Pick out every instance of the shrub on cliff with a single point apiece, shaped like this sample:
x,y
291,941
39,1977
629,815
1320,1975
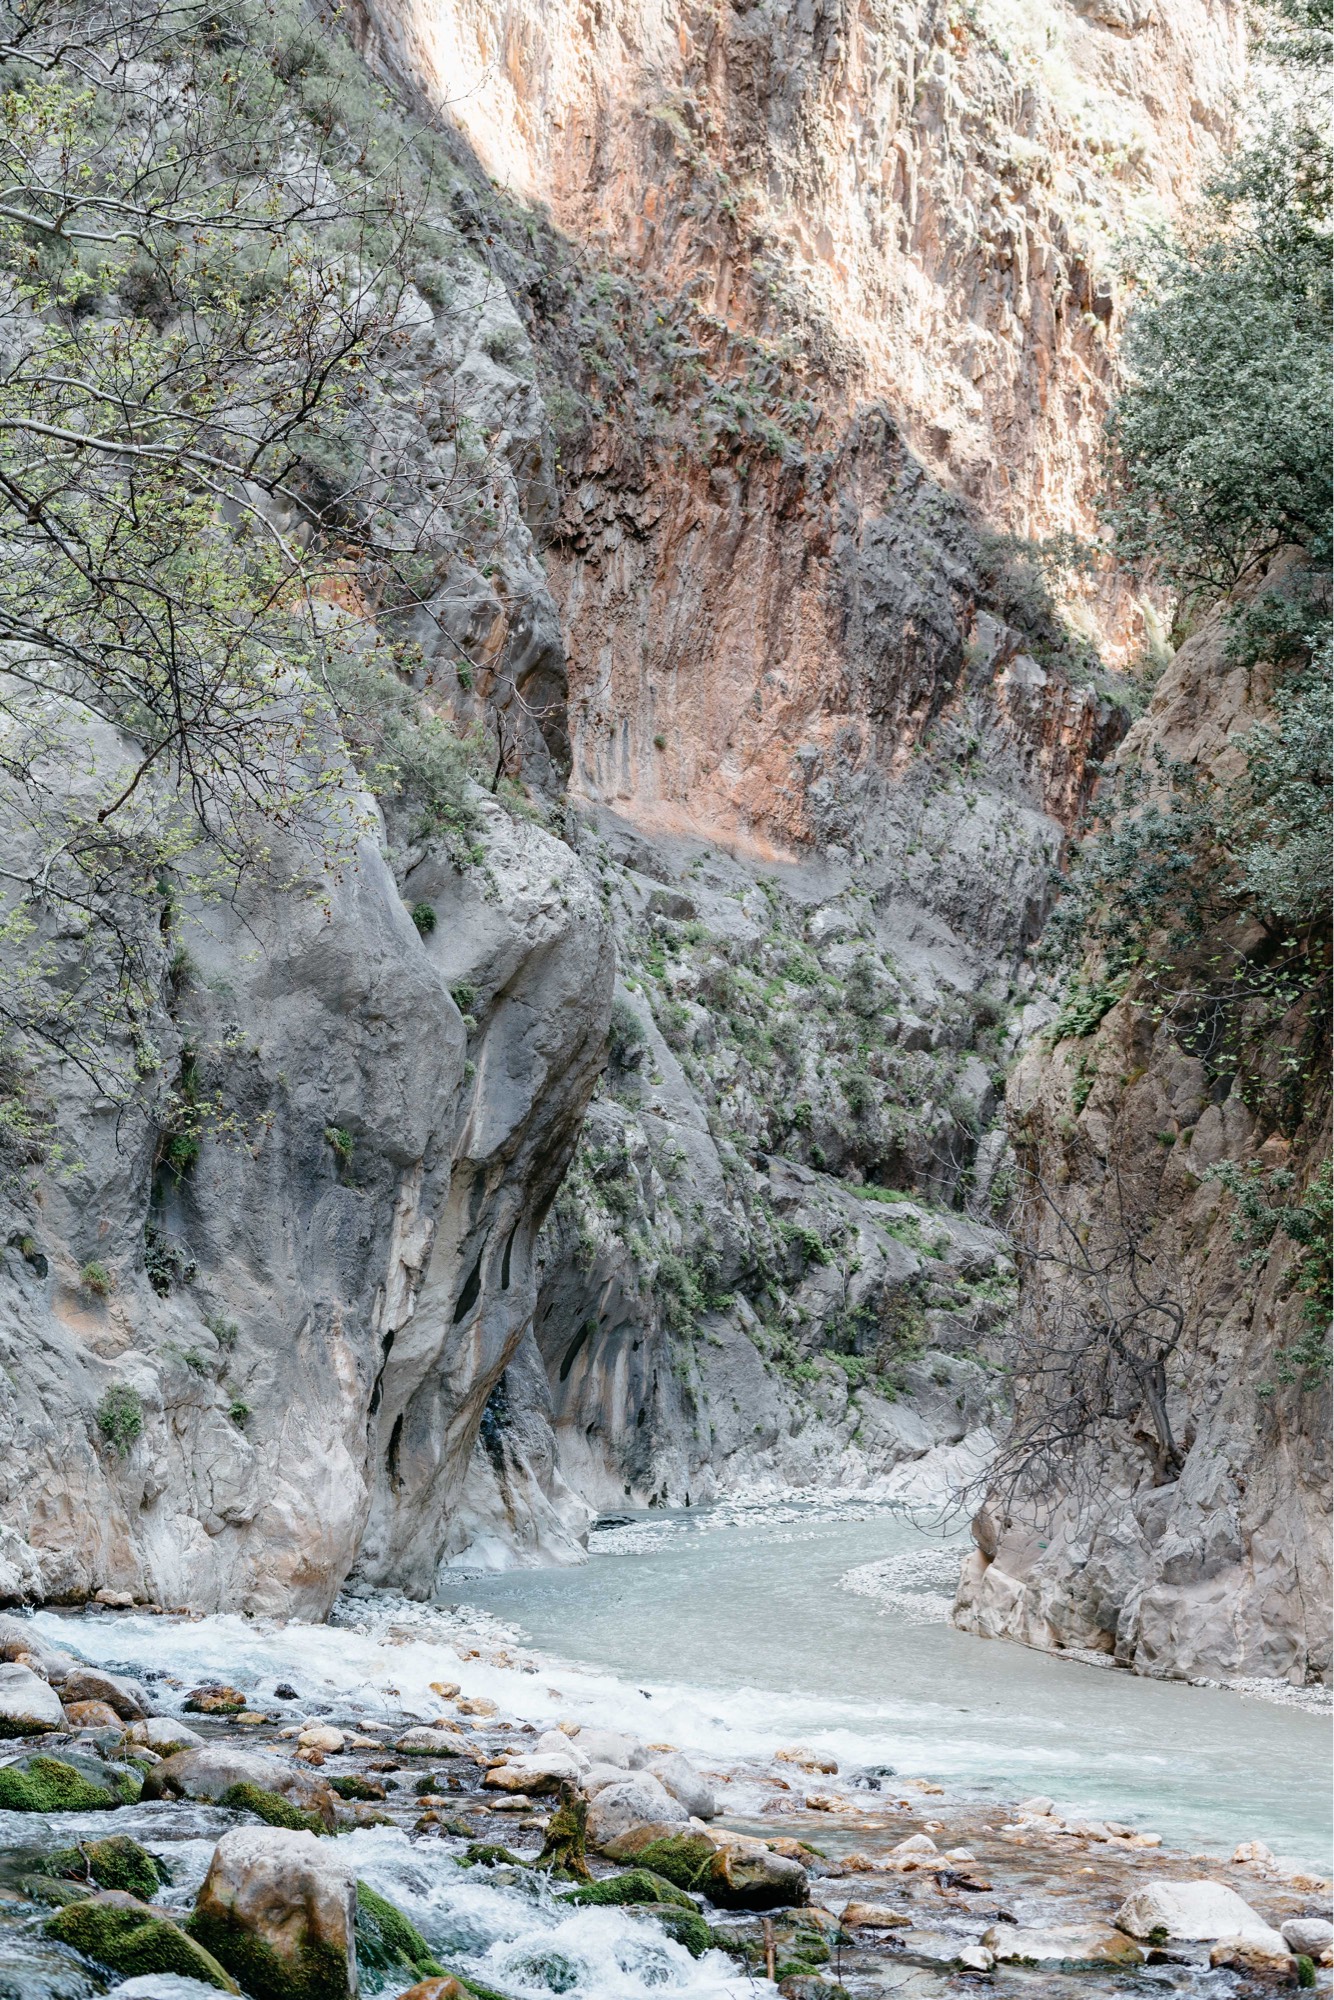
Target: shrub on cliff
x,y
1221,439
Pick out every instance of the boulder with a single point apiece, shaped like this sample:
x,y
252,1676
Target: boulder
x,y
1071,1947
748,1875
437,1989
217,1769
875,1917
119,1931
1192,1911
29,1706
916,1843
1256,1957
164,1734
75,1781
91,1715
806,1759
638,1800
541,1772
1311,1936
556,1743
976,1958
599,1776
18,1641
677,1775
125,1696
612,1746
322,1736
279,1910
425,1741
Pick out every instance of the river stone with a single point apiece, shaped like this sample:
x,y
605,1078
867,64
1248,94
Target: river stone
x,y
18,1641
1191,1911
91,1715
875,1917
638,1800
612,1746
555,1743
164,1734
541,1772
747,1875
208,1772
1255,1956
28,1705
447,1988
279,1910
120,1693
1309,1935
599,1776
1070,1946
129,1936
677,1775
427,1742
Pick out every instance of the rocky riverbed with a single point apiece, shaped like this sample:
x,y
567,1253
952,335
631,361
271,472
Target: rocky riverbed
x,y
166,1833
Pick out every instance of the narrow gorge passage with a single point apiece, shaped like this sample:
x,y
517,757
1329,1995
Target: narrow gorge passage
x,y
666,1269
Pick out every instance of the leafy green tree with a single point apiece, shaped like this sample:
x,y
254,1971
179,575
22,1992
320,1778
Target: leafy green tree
x,y
1221,440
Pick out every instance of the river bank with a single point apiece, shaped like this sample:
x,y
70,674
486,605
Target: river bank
x,y
912,1886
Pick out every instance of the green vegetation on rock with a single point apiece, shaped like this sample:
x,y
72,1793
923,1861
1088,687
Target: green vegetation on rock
x,y
133,1940
50,1785
272,1807
114,1863
386,1941
636,1885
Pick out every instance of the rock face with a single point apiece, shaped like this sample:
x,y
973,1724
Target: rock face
x,y
1217,1565
823,739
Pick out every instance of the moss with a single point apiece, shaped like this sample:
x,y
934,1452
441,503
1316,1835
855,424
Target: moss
x,y
386,1941
485,1854
317,1972
564,1849
45,1889
353,1787
49,1785
636,1885
131,1940
683,1858
270,1806
1305,1970
686,1927
114,1863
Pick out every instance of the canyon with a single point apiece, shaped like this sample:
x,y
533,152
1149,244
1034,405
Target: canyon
x,y
667,1155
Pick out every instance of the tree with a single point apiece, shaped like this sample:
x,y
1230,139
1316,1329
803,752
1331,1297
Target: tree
x,y
1221,439
1103,1329
210,229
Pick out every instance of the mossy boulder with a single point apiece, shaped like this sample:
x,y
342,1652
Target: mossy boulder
x,y
635,1885
353,1787
123,1934
40,1783
217,1769
683,1859
272,1808
50,1889
114,1863
685,1927
386,1941
278,1909
487,1854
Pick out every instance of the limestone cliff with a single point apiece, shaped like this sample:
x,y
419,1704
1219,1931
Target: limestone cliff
x,y
749,336
1215,1561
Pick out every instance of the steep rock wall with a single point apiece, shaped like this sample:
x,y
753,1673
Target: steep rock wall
x,y
1219,1567
309,1329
